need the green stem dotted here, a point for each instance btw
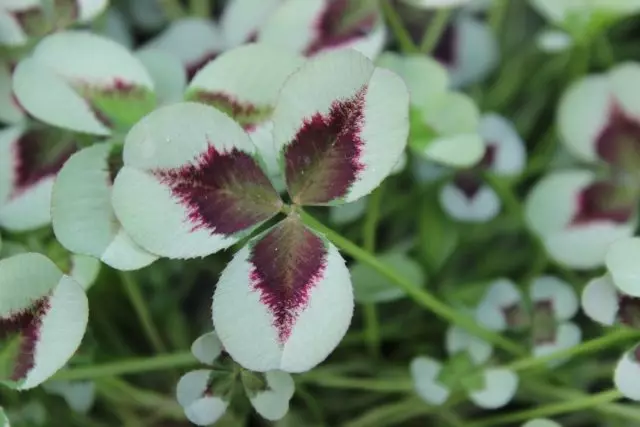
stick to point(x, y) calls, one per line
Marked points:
point(130, 366)
point(547, 391)
point(371, 323)
point(323, 379)
point(399, 31)
point(580, 61)
point(115, 400)
point(434, 31)
point(371, 220)
point(172, 9)
point(605, 51)
point(396, 413)
point(128, 394)
point(414, 292)
point(372, 328)
point(550, 410)
point(450, 418)
point(497, 15)
point(200, 8)
point(312, 404)
point(541, 156)
point(584, 348)
point(132, 289)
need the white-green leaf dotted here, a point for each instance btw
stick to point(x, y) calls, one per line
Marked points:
point(45, 315)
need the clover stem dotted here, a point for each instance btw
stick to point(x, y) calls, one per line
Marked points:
point(372, 325)
point(553, 392)
point(420, 296)
point(132, 289)
point(394, 413)
point(200, 8)
point(130, 366)
point(123, 393)
point(399, 31)
point(172, 9)
point(324, 379)
point(585, 402)
point(435, 30)
point(497, 14)
point(585, 347)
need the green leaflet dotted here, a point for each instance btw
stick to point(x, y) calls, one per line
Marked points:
point(460, 371)
point(121, 106)
point(253, 382)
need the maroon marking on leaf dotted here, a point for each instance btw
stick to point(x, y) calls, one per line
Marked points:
point(629, 310)
point(245, 114)
point(252, 37)
point(544, 329)
point(619, 142)
point(122, 86)
point(62, 6)
point(469, 181)
point(26, 323)
point(323, 160)
point(14, 101)
point(25, 17)
point(287, 264)
point(34, 160)
point(330, 32)
point(223, 192)
point(114, 163)
point(600, 202)
point(102, 117)
point(516, 316)
point(193, 67)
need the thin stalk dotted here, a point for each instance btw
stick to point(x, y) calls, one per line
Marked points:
point(372, 329)
point(396, 412)
point(132, 289)
point(371, 323)
point(547, 391)
point(397, 28)
point(172, 9)
point(497, 15)
point(605, 51)
point(401, 385)
point(580, 60)
point(550, 410)
point(371, 220)
point(450, 418)
point(416, 293)
point(200, 8)
point(312, 404)
point(583, 348)
point(139, 398)
point(130, 366)
point(127, 417)
point(435, 30)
